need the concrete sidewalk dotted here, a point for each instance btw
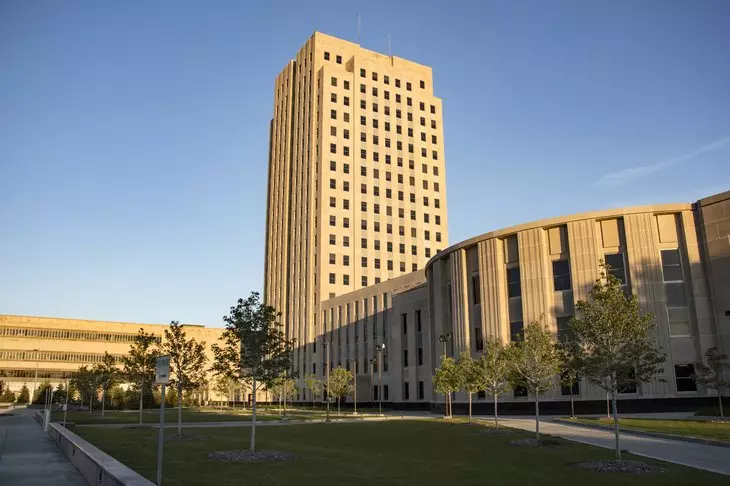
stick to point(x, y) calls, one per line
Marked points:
point(29, 457)
point(707, 457)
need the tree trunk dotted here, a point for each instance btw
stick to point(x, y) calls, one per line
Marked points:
point(91, 402)
point(572, 404)
point(338, 405)
point(615, 419)
point(103, 400)
point(141, 394)
point(469, 407)
point(496, 419)
point(537, 418)
point(252, 445)
point(719, 398)
point(179, 410)
point(608, 409)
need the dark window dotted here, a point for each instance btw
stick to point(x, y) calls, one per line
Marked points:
point(405, 358)
point(339, 59)
point(475, 290)
point(672, 266)
point(423, 84)
point(362, 73)
point(347, 84)
point(570, 390)
point(520, 391)
point(684, 375)
point(616, 264)
point(627, 381)
point(332, 278)
point(406, 390)
point(513, 282)
point(565, 333)
point(515, 331)
point(420, 390)
point(419, 356)
point(561, 275)
point(326, 56)
point(408, 86)
point(364, 281)
point(478, 342)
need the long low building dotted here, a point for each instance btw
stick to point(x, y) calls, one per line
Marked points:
point(38, 349)
point(674, 257)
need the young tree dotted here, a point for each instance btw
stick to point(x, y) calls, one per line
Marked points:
point(314, 385)
point(570, 371)
point(59, 394)
point(222, 387)
point(446, 381)
point(24, 395)
point(711, 374)
point(340, 385)
point(253, 349)
point(7, 396)
point(117, 397)
point(187, 364)
point(40, 393)
point(535, 360)
point(107, 375)
point(493, 367)
point(85, 381)
point(469, 376)
point(614, 341)
point(140, 364)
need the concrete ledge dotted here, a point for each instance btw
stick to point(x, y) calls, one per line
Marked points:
point(97, 467)
point(646, 433)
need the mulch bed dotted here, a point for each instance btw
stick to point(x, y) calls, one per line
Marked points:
point(628, 467)
point(181, 437)
point(248, 456)
point(531, 442)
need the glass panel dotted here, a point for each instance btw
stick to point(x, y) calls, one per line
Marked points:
point(616, 262)
point(678, 321)
point(675, 294)
point(513, 282)
point(684, 375)
point(561, 275)
point(515, 330)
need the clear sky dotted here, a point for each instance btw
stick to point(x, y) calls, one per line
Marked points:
point(133, 135)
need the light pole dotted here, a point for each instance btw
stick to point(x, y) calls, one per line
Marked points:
point(354, 387)
point(444, 338)
point(35, 380)
point(327, 389)
point(372, 379)
point(380, 348)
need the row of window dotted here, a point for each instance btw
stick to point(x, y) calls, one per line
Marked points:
point(364, 279)
point(388, 209)
point(388, 191)
point(389, 226)
point(374, 91)
point(376, 172)
point(375, 139)
point(374, 75)
point(364, 261)
point(377, 246)
point(69, 357)
point(39, 333)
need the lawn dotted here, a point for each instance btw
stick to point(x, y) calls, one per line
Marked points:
point(190, 415)
point(692, 428)
point(426, 452)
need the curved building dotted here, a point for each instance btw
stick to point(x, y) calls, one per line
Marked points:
point(674, 257)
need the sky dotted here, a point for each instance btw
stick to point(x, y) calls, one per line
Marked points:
point(134, 135)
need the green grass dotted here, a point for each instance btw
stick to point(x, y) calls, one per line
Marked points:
point(691, 428)
point(191, 415)
point(426, 452)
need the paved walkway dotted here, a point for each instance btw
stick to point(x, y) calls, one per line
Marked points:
point(707, 457)
point(29, 457)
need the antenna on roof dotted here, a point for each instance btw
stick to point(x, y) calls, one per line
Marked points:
point(358, 27)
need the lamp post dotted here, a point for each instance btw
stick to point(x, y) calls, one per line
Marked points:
point(35, 380)
point(327, 389)
point(372, 362)
point(380, 348)
point(354, 387)
point(444, 338)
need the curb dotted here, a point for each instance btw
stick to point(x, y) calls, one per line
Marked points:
point(642, 433)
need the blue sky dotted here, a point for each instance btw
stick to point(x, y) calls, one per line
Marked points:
point(133, 135)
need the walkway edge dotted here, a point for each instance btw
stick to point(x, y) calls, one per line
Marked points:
point(96, 466)
point(643, 433)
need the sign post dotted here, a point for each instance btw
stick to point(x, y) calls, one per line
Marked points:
point(162, 377)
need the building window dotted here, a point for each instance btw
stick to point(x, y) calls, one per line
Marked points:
point(513, 282)
point(515, 331)
point(520, 391)
point(332, 278)
point(346, 260)
point(674, 291)
point(616, 264)
point(475, 289)
point(333, 258)
point(346, 186)
point(333, 148)
point(339, 59)
point(420, 390)
point(333, 221)
point(565, 333)
point(362, 73)
point(570, 390)
point(333, 241)
point(364, 281)
point(347, 84)
point(406, 390)
point(405, 358)
point(346, 241)
point(478, 341)
point(684, 375)
point(627, 381)
point(402, 266)
point(561, 275)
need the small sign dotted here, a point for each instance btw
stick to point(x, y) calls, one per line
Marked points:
point(162, 372)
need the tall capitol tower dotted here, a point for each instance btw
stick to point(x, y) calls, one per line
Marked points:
point(356, 186)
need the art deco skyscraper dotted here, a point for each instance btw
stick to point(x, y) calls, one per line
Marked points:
point(356, 189)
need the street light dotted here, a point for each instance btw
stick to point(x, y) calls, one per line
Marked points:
point(380, 348)
point(327, 392)
point(35, 380)
point(354, 388)
point(372, 380)
point(444, 338)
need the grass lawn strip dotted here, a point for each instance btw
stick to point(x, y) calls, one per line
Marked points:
point(689, 428)
point(426, 453)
